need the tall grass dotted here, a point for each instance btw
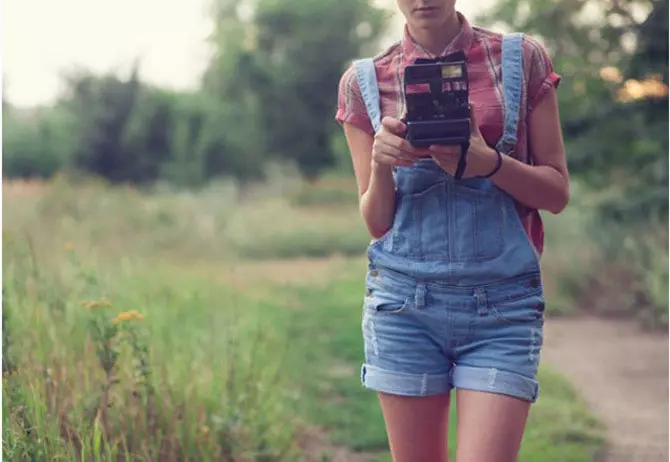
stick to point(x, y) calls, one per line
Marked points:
point(116, 348)
point(214, 224)
point(135, 363)
point(617, 269)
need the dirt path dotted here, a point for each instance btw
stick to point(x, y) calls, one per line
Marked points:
point(622, 372)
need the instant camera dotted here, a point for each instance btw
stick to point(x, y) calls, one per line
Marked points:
point(437, 104)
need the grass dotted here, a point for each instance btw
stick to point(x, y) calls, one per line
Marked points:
point(172, 368)
point(155, 327)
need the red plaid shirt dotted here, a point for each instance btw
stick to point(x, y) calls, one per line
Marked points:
point(483, 49)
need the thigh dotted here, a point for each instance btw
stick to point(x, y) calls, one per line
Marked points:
point(490, 426)
point(417, 427)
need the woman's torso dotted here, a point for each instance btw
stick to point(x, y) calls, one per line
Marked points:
point(464, 232)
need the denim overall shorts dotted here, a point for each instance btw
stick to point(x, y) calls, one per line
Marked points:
point(454, 295)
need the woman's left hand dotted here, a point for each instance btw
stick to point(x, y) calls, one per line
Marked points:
point(480, 160)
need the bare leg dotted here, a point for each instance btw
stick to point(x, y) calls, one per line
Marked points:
point(490, 426)
point(417, 427)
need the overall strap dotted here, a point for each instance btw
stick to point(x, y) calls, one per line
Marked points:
point(367, 82)
point(512, 81)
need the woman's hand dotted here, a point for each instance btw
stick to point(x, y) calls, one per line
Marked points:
point(390, 148)
point(480, 160)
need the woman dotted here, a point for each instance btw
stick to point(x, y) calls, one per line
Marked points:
point(454, 296)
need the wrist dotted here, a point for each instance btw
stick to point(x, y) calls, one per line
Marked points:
point(381, 169)
point(494, 163)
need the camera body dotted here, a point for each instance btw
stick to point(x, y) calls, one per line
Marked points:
point(437, 102)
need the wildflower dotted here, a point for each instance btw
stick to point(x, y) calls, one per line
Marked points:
point(69, 247)
point(92, 304)
point(128, 316)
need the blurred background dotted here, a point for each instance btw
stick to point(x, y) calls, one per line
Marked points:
point(183, 257)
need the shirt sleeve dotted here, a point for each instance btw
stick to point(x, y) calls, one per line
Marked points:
point(541, 76)
point(350, 104)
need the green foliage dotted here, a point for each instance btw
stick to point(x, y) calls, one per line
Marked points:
point(612, 269)
point(278, 76)
point(617, 147)
point(88, 387)
point(609, 140)
point(35, 143)
point(325, 194)
point(267, 97)
point(210, 355)
point(101, 108)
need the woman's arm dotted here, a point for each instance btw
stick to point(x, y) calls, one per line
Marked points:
point(376, 187)
point(373, 159)
point(544, 185)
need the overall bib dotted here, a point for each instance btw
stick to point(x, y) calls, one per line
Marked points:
point(453, 292)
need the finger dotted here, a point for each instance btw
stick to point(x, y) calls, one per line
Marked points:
point(394, 126)
point(401, 145)
point(402, 156)
point(393, 160)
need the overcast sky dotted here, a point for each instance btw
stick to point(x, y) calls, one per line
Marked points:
point(42, 38)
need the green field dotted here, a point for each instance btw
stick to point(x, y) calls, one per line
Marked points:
point(202, 326)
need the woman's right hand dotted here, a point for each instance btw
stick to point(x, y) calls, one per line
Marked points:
point(390, 148)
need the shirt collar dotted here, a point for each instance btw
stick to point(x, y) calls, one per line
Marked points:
point(462, 42)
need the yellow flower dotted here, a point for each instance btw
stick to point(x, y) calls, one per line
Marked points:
point(92, 304)
point(128, 316)
point(69, 247)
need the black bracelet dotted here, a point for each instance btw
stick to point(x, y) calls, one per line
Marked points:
point(498, 164)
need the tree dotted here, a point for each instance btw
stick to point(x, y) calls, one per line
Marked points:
point(282, 69)
point(102, 108)
point(613, 58)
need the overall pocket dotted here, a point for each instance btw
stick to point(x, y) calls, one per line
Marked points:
point(479, 221)
point(383, 298)
point(383, 304)
point(525, 309)
point(420, 229)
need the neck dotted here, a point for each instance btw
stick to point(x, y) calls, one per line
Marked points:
point(435, 39)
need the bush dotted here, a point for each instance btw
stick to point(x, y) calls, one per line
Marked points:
point(35, 144)
point(613, 268)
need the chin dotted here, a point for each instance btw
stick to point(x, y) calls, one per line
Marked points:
point(434, 20)
point(429, 24)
